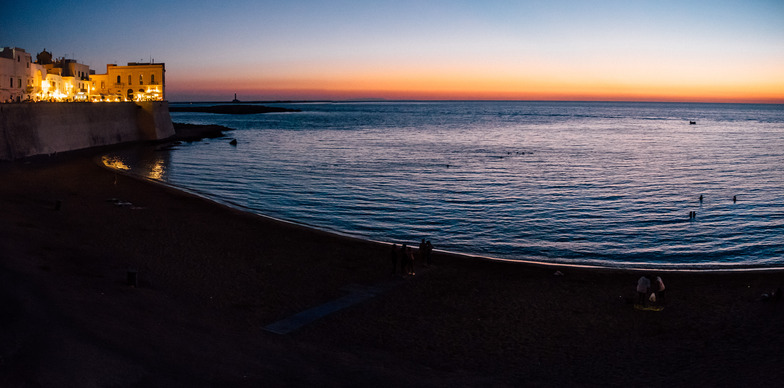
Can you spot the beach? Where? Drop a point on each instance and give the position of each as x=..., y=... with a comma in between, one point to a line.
x=211, y=278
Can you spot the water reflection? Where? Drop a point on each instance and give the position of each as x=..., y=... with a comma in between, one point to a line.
x=151, y=162
x=157, y=170
x=114, y=162
x=567, y=182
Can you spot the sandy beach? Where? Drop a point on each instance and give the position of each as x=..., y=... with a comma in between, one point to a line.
x=210, y=279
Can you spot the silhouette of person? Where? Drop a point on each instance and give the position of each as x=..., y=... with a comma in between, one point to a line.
x=660, y=294
x=394, y=258
x=643, y=287
x=403, y=258
x=428, y=252
x=410, y=261
x=422, y=250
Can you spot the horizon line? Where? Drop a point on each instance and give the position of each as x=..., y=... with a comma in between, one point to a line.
x=372, y=100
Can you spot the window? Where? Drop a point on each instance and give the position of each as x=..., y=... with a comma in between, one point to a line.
x=141, y=79
x=12, y=82
x=118, y=79
x=103, y=86
x=152, y=79
x=19, y=83
x=129, y=79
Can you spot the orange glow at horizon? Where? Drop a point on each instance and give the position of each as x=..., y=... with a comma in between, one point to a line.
x=501, y=84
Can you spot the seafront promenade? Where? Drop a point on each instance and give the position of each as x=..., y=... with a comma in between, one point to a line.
x=211, y=278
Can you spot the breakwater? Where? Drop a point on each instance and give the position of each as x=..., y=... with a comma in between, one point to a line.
x=46, y=128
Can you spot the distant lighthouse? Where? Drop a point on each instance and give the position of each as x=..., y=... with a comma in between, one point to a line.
x=235, y=98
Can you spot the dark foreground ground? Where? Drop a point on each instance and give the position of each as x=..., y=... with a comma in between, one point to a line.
x=210, y=279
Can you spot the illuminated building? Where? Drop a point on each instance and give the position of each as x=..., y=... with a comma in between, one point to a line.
x=62, y=79
x=14, y=74
x=135, y=82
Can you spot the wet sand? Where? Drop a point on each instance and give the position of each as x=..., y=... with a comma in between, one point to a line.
x=210, y=279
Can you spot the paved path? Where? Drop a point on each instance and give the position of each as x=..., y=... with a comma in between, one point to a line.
x=356, y=294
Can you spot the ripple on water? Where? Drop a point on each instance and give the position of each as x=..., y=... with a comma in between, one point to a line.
x=587, y=183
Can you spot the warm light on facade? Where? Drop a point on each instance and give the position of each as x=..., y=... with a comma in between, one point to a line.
x=64, y=80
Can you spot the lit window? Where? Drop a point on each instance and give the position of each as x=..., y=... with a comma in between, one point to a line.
x=141, y=79
x=103, y=86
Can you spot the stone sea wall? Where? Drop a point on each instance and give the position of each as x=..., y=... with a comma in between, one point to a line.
x=30, y=129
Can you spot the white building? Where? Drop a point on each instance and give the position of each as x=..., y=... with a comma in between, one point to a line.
x=62, y=79
x=15, y=70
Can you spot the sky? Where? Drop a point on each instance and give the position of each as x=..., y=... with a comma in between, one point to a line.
x=707, y=51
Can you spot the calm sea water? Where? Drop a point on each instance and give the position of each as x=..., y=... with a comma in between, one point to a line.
x=570, y=182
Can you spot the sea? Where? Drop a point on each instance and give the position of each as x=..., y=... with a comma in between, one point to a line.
x=611, y=184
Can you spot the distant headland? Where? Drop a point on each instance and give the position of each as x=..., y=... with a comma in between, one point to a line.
x=231, y=109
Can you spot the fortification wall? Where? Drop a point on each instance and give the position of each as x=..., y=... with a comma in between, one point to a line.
x=29, y=129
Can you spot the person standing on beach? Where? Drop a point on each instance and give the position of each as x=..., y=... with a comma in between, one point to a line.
x=394, y=258
x=409, y=260
x=428, y=252
x=643, y=287
x=660, y=296
x=403, y=258
x=423, y=251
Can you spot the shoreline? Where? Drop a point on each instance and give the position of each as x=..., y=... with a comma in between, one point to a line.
x=684, y=267
x=210, y=277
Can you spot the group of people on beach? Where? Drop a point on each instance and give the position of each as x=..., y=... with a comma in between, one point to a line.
x=402, y=259
x=650, y=289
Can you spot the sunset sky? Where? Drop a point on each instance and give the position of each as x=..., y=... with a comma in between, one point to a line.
x=722, y=51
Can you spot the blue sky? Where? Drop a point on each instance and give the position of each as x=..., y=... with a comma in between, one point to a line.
x=425, y=49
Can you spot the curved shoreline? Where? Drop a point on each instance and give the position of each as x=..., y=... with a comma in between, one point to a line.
x=211, y=277
x=638, y=267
